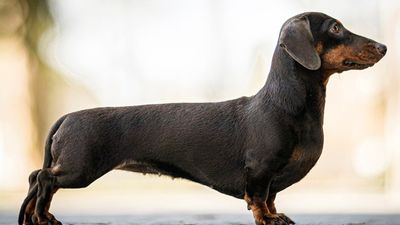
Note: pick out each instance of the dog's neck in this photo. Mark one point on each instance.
(293, 88)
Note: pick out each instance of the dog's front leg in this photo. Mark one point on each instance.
(259, 175)
(256, 196)
(272, 209)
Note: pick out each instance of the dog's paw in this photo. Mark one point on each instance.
(285, 218)
(54, 222)
(44, 221)
(274, 219)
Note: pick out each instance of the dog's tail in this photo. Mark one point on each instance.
(32, 192)
(46, 164)
(47, 148)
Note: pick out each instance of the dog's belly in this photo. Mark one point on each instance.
(234, 189)
(158, 169)
(301, 162)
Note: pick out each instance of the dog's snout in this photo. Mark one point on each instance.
(381, 48)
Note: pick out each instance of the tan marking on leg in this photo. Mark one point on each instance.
(46, 210)
(29, 210)
(259, 209)
(271, 204)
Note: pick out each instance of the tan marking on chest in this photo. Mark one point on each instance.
(297, 154)
(304, 157)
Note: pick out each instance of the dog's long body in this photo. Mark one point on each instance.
(251, 147)
(197, 141)
(208, 143)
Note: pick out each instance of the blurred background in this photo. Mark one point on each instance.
(61, 56)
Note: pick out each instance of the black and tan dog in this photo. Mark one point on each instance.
(250, 148)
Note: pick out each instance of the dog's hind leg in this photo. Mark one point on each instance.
(46, 189)
(30, 206)
(50, 217)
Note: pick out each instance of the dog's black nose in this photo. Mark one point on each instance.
(381, 48)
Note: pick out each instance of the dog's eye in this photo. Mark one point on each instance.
(335, 29)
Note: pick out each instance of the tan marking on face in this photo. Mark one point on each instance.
(334, 58)
(369, 54)
(362, 57)
(325, 82)
(319, 48)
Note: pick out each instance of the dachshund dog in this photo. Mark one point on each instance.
(249, 148)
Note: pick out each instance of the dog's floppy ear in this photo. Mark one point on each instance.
(297, 40)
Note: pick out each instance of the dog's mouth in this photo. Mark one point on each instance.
(351, 64)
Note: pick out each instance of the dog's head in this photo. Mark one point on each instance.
(320, 42)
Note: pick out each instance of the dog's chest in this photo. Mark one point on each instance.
(303, 159)
(304, 156)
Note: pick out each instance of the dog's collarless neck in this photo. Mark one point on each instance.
(293, 88)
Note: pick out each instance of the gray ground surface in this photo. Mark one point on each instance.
(215, 220)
